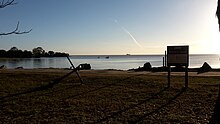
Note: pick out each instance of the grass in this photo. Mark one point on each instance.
(122, 97)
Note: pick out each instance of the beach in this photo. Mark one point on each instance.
(107, 96)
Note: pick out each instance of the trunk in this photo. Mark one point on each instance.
(218, 13)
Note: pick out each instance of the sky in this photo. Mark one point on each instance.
(110, 27)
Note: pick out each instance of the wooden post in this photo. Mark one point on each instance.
(163, 62)
(165, 58)
(169, 70)
(186, 77)
(177, 56)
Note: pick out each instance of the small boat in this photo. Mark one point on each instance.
(107, 57)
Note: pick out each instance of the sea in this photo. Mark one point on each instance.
(99, 62)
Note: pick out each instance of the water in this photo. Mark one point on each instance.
(122, 62)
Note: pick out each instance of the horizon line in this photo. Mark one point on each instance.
(136, 54)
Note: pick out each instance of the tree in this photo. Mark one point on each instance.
(3, 53)
(38, 52)
(59, 54)
(218, 13)
(14, 52)
(4, 4)
(14, 49)
(27, 54)
(51, 53)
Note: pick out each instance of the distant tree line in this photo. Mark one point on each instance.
(37, 52)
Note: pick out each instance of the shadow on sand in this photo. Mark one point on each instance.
(216, 115)
(115, 114)
(41, 88)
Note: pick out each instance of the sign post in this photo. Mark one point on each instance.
(169, 70)
(186, 77)
(178, 56)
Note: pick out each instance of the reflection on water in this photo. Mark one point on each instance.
(60, 62)
(51, 62)
(100, 62)
(37, 62)
(13, 62)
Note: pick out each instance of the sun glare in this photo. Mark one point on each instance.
(210, 42)
(216, 43)
(215, 39)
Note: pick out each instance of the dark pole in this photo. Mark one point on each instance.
(187, 70)
(165, 58)
(186, 77)
(163, 61)
(169, 70)
(218, 13)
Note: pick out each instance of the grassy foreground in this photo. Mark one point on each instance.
(38, 96)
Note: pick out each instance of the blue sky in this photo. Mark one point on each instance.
(112, 26)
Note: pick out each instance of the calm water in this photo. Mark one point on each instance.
(100, 62)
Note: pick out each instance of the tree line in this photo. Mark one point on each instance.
(37, 52)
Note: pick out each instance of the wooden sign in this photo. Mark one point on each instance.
(177, 55)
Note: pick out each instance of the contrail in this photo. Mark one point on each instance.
(126, 31)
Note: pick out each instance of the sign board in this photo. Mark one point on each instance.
(178, 55)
